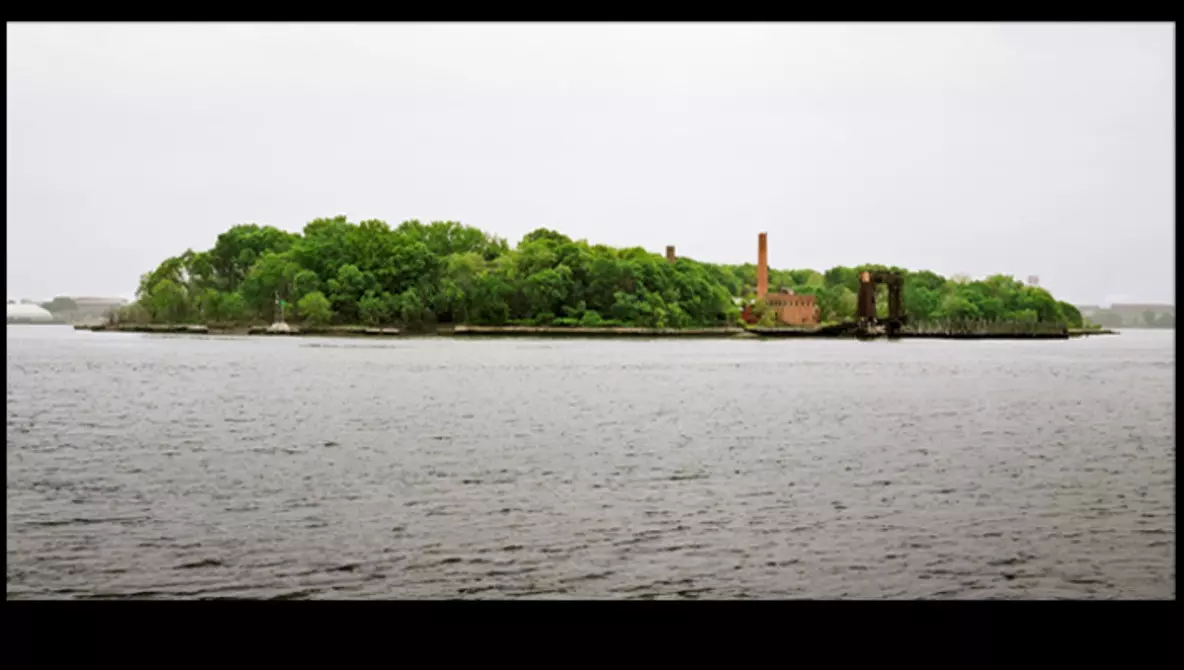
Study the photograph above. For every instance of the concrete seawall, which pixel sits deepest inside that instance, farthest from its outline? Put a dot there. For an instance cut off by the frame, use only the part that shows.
(596, 332)
(327, 330)
(830, 332)
(194, 329)
(145, 328)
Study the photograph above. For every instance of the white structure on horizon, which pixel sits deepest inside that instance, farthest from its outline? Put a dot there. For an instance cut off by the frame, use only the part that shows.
(1033, 280)
(26, 313)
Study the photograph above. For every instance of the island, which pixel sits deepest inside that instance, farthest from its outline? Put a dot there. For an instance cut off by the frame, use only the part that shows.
(337, 276)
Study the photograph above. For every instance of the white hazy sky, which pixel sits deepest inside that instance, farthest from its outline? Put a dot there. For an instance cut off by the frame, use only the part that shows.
(1043, 149)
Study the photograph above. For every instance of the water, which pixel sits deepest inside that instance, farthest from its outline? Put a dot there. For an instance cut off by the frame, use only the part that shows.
(158, 466)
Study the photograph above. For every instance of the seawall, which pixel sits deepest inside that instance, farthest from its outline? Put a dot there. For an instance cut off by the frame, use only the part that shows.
(830, 332)
(195, 329)
(548, 331)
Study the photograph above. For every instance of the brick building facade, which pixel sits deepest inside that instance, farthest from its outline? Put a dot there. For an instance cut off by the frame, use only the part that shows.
(791, 309)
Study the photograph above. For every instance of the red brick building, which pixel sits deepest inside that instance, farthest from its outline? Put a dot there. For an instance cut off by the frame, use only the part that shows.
(791, 309)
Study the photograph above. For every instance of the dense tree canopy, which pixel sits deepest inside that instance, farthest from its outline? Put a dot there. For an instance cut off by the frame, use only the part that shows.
(419, 274)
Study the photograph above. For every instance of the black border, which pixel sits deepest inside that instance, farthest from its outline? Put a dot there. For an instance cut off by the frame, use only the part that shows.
(955, 635)
(946, 633)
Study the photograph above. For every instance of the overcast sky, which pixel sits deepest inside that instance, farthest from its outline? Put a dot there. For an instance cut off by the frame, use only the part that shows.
(1027, 149)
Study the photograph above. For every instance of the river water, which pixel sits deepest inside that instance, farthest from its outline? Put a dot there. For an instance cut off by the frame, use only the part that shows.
(186, 466)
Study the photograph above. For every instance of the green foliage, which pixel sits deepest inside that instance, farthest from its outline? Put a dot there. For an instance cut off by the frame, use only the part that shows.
(208, 304)
(411, 309)
(416, 275)
(236, 251)
(1027, 316)
(233, 308)
(168, 302)
(374, 309)
(1072, 315)
(133, 313)
(591, 319)
(957, 308)
(303, 283)
(315, 308)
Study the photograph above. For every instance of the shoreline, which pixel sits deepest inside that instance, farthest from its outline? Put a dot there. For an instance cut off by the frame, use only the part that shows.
(576, 331)
(200, 329)
(825, 332)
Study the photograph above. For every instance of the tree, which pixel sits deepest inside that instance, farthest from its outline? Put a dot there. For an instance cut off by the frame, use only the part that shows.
(208, 304)
(347, 289)
(168, 302)
(547, 290)
(1027, 316)
(271, 275)
(374, 309)
(237, 249)
(839, 303)
(418, 274)
(1072, 315)
(921, 303)
(411, 309)
(591, 319)
(133, 313)
(315, 308)
(1149, 318)
(233, 308)
(842, 277)
(303, 283)
(544, 235)
(925, 279)
(957, 308)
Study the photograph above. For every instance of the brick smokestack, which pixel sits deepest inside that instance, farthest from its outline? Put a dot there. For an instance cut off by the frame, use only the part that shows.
(762, 267)
(670, 257)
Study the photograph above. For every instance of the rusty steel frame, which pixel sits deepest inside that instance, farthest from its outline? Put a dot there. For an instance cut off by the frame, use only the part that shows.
(865, 310)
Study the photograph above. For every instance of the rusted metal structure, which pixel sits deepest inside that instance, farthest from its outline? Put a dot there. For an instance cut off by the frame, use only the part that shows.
(865, 311)
(762, 266)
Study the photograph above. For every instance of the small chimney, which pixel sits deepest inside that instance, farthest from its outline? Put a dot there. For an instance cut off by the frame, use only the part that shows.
(762, 267)
(670, 257)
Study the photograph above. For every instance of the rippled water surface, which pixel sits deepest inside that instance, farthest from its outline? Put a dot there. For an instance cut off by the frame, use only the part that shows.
(157, 466)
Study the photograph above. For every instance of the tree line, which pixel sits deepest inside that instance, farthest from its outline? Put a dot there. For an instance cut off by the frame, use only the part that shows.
(417, 275)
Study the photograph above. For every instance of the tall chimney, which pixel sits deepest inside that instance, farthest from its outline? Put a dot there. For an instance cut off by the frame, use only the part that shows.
(670, 254)
(762, 267)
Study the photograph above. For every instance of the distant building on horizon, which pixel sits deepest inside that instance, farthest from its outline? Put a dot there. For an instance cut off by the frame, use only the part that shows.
(83, 308)
(1129, 314)
(93, 304)
(1137, 308)
(22, 312)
